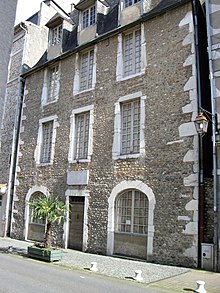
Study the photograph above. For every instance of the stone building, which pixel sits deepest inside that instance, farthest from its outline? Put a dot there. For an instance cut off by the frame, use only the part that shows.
(7, 18)
(107, 125)
(24, 54)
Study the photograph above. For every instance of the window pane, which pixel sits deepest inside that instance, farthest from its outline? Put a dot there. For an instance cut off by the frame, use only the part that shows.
(85, 18)
(86, 70)
(128, 3)
(47, 133)
(53, 81)
(132, 53)
(56, 35)
(81, 136)
(130, 128)
(92, 15)
(132, 212)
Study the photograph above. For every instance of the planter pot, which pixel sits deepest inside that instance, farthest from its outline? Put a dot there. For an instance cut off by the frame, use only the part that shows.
(44, 254)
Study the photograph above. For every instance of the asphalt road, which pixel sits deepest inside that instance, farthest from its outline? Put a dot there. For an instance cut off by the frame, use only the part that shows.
(25, 275)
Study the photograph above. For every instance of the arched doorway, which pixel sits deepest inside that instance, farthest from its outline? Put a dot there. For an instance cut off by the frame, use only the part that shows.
(131, 213)
(130, 220)
(34, 227)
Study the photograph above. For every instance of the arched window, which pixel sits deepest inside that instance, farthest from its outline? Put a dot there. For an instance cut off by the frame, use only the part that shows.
(132, 212)
(33, 219)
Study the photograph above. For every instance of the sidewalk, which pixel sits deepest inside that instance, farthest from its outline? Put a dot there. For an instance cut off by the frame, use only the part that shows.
(169, 278)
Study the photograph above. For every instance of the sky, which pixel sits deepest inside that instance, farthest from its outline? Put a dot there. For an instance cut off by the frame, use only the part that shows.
(26, 8)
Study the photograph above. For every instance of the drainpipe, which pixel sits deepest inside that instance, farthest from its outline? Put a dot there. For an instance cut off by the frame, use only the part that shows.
(211, 77)
(14, 156)
(201, 173)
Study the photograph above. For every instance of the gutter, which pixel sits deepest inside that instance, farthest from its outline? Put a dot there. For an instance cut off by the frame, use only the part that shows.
(147, 16)
(201, 167)
(213, 104)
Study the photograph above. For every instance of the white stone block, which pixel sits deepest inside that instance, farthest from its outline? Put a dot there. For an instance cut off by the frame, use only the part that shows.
(192, 205)
(187, 129)
(191, 180)
(191, 228)
(190, 156)
(187, 19)
(190, 84)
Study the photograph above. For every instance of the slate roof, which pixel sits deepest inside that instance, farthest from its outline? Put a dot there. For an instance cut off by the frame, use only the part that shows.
(106, 25)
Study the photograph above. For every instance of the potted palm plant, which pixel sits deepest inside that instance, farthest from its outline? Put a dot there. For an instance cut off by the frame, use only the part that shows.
(52, 210)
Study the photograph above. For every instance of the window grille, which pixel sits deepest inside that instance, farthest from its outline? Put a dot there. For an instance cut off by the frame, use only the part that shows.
(132, 212)
(89, 17)
(82, 136)
(53, 83)
(132, 52)
(86, 70)
(130, 127)
(56, 35)
(47, 134)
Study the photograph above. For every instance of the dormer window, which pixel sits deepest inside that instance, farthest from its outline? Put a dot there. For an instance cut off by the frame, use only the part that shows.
(56, 35)
(130, 2)
(88, 17)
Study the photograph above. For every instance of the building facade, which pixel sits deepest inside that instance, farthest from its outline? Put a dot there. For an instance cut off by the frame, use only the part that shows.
(107, 125)
(24, 54)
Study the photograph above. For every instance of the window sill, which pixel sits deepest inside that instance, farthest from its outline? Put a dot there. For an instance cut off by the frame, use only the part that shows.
(131, 234)
(128, 156)
(44, 164)
(80, 161)
(49, 103)
(83, 91)
(130, 76)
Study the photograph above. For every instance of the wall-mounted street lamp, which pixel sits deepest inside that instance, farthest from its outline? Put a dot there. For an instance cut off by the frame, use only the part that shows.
(201, 123)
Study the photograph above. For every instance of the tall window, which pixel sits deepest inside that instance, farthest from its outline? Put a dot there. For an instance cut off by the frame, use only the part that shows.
(130, 2)
(130, 127)
(0, 200)
(81, 136)
(47, 135)
(56, 35)
(86, 70)
(132, 212)
(132, 52)
(53, 83)
(88, 17)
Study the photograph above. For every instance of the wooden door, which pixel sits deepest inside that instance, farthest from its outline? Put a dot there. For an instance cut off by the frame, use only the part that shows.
(76, 220)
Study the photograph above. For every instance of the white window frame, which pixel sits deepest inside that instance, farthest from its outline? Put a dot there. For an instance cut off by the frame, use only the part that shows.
(75, 112)
(116, 148)
(46, 85)
(37, 156)
(56, 35)
(129, 223)
(90, 19)
(120, 58)
(133, 3)
(76, 82)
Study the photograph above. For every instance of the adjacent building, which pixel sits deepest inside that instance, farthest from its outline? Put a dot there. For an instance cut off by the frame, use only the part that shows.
(7, 18)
